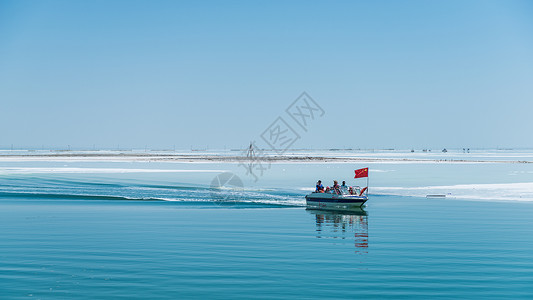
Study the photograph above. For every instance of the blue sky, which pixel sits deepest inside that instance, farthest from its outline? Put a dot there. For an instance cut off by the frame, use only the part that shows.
(388, 74)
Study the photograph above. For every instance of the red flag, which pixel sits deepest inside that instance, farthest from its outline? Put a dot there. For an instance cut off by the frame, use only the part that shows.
(361, 173)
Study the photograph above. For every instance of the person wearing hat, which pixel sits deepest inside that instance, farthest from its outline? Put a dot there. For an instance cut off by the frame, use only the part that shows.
(336, 187)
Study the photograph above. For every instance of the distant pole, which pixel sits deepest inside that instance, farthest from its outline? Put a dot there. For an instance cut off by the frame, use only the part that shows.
(250, 154)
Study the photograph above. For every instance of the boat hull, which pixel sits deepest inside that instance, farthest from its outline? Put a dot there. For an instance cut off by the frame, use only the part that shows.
(334, 202)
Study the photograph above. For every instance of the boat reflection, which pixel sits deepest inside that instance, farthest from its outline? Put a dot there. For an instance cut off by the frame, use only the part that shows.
(345, 224)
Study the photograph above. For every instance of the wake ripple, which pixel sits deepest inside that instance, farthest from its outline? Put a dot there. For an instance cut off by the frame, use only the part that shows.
(61, 189)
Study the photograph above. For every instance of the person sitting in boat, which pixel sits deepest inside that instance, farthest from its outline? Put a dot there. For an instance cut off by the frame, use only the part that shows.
(336, 188)
(344, 187)
(328, 190)
(350, 190)
(319, 187)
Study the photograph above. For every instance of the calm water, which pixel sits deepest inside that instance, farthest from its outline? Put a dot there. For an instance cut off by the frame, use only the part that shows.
(75, 234)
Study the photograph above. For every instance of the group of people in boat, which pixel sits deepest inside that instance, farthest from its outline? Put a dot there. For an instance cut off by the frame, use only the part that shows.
(336, 188)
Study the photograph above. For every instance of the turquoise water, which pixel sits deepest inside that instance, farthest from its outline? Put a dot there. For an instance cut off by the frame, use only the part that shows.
(75, 233)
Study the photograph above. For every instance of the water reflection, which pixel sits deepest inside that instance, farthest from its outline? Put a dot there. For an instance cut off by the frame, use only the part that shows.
(349, 224)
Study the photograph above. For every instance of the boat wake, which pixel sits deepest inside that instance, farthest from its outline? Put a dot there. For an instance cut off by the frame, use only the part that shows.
(63, 189)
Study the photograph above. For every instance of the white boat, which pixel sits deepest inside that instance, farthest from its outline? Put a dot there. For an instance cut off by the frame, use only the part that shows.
(335, 201)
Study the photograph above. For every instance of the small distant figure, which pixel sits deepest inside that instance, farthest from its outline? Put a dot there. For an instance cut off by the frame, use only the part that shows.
(468, 150)
(444, 150)
(319, 187)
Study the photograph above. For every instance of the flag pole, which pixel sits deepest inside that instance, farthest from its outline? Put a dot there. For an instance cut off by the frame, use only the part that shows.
(367, 176)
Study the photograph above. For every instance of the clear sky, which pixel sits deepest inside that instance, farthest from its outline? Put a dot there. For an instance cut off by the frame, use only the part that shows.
(388, 74)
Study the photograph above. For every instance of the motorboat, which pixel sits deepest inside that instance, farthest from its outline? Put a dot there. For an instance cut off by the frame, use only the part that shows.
(335, 200)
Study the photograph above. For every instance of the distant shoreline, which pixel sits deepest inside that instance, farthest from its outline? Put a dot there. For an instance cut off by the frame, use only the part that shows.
(232, 158)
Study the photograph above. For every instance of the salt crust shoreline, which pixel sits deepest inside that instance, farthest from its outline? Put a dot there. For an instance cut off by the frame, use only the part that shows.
(234, 159)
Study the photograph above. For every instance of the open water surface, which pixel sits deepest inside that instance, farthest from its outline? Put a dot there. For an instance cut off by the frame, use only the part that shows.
(98, 231)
